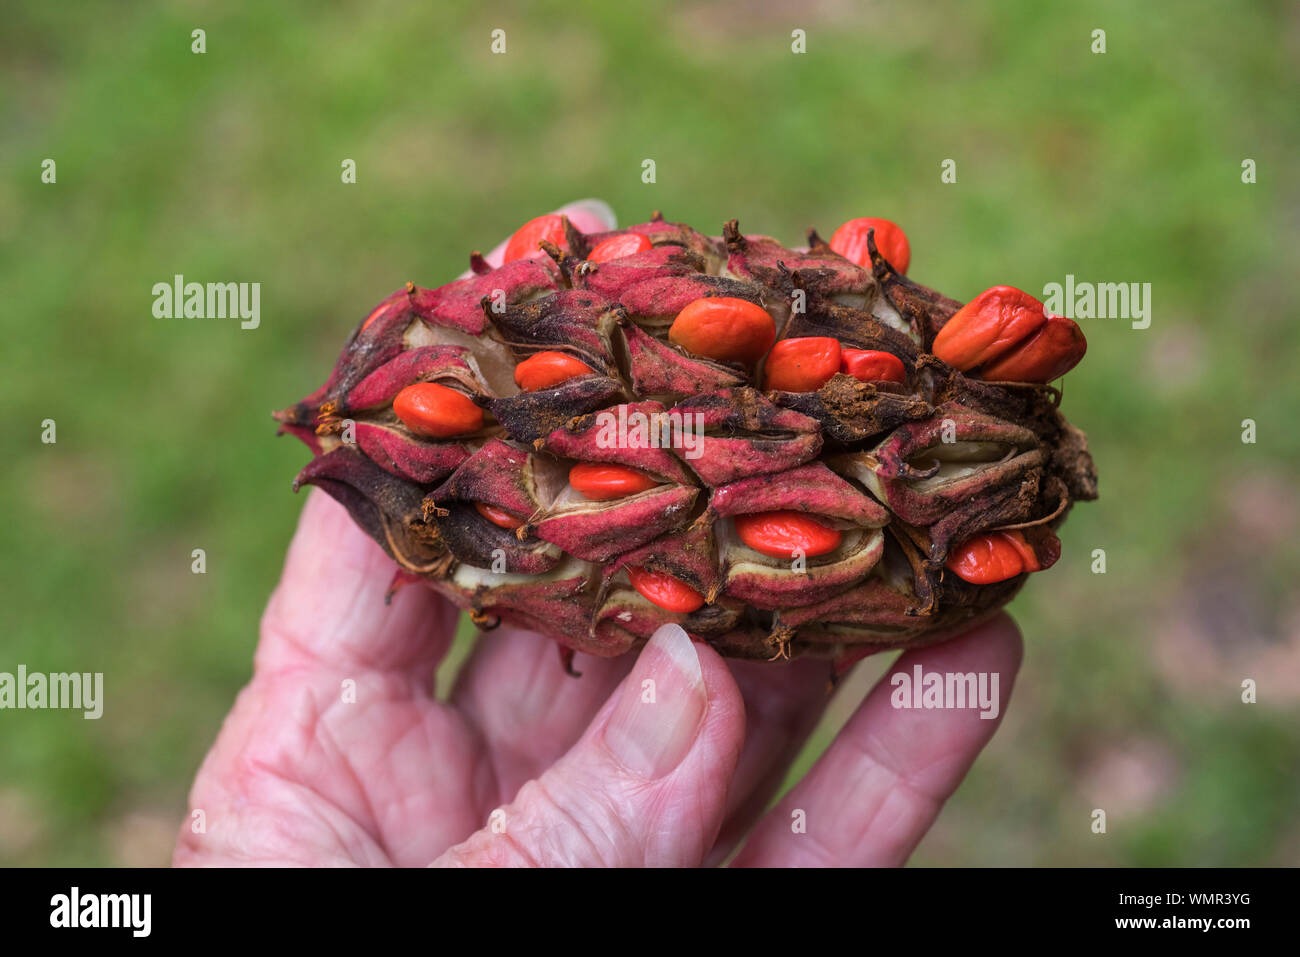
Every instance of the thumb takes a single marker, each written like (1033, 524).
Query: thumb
(646, 785)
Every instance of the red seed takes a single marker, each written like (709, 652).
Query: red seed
(782, 533)
(872, 365)
(724, 328)
(600, 483)
(1027, 554)
(545, 369)
(616, 247)
(850, 241)
(669, 593)
(437, 411)
(498, 516)
(523, 244)
(801, 365)
(988, 327)
(1048, 354)
(991, 557)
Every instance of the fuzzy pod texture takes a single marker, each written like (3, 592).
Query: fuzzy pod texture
(616, 430)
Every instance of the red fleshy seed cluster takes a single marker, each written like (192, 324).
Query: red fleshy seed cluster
(727, 330)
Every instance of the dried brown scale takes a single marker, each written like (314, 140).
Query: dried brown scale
(529, 416)
(850, 411)
(852, 326)
(925, 309)
(474, 540)
(497, 474)
(767, 262)
(876, 460)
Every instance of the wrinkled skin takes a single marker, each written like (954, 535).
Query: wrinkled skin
(298, 777)
(583, 774)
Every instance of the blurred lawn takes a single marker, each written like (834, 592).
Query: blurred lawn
(1116, 167)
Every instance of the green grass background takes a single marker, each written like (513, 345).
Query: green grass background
(1117, 167)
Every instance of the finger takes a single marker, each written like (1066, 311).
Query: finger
(329, 612)
(306, 774)
(325, 755)
(588, 215)
(878, 788)
(528, 709)
(783, 703)
(645, 786)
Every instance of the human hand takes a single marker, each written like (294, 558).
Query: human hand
(578, 771)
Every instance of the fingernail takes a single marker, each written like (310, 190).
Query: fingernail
(657, 717)
(591, 215)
